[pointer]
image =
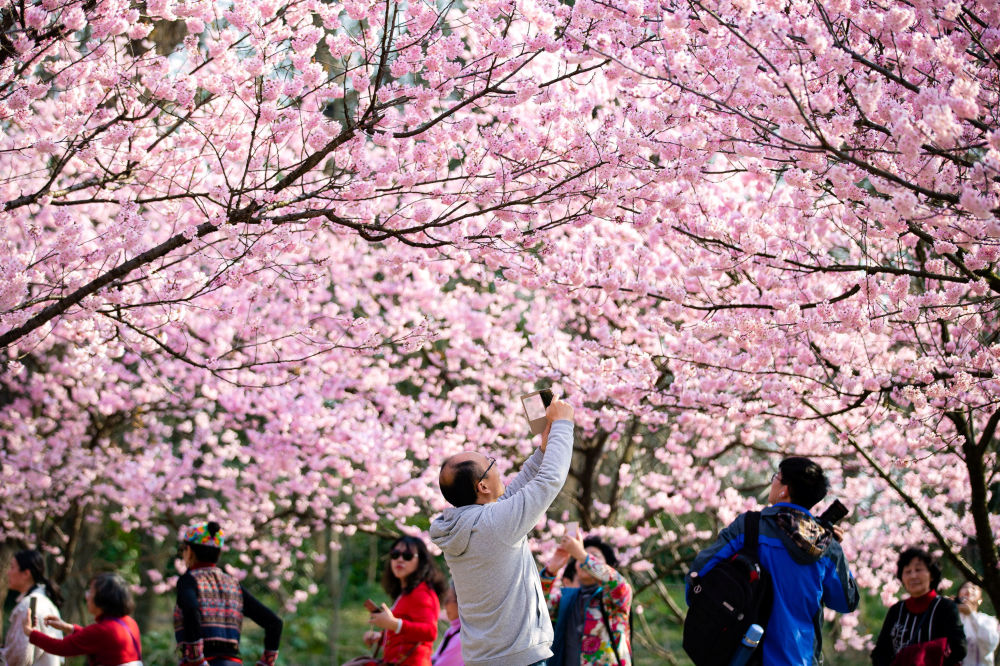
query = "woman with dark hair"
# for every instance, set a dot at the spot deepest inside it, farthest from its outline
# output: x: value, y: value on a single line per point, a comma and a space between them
x: 211, y: 606
x: 410, y: 626
x: 981, y: 631
x: 27, y: 577
x: 591, y: 620
x: 112, y: 640
x: 923, y: 617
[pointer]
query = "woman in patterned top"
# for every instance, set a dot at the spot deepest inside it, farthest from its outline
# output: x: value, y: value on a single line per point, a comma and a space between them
x: 211, y: 605
x: 592, y: 620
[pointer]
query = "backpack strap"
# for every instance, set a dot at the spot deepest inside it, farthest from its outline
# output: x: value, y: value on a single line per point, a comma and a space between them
x: 751, y: 532
x: 135, y: 643
x: 607, y: 624
x: 447, y: 639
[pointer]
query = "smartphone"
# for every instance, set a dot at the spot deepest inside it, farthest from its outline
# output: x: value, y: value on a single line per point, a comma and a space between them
x: 534, y: 408
x: 372, y: 606
x: 33, y: 612
x: 572, y: 529
x: 834, y: 513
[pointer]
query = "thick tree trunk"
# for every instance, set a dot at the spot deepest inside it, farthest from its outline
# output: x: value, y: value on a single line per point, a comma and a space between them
x: 974, y: 453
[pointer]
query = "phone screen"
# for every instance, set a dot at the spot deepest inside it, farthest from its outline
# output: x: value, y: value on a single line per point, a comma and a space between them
x: 534, y: 407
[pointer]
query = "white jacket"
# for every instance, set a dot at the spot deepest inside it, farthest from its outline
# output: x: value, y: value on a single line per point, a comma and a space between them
x: 982, y: 636
x: 16, y: 650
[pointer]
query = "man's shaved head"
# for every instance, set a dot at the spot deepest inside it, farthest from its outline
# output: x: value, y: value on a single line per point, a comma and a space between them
x: 459, y: 475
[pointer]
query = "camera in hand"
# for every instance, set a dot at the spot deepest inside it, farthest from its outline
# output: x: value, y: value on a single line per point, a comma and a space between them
x: 834, y: 513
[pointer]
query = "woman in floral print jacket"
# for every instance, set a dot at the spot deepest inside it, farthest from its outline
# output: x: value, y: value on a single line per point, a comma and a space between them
x: 581, y: 629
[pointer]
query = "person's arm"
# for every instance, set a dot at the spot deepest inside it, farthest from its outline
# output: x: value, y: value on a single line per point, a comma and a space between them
x: 556, y: 563
x: 531, y: 466
x: 16, y: 650
x: 840, y: 590
x: 420, y: 616
x: 518, y: 513
x: 190, y: 642
x: 552, y: 592
x: 268, y: 621
x: 729, y: 541
x: 617, y: 590
x: 83, y: 640
x: 528, y: 471
x: 952, y: 629
x: 883, y: 653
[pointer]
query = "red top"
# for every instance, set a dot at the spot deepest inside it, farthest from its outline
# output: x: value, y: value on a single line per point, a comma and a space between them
x: 419, y: 612
x: 918, y: 605
x: 106, y: 642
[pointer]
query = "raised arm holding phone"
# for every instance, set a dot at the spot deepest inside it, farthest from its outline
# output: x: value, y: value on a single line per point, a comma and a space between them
x: 591, y: 619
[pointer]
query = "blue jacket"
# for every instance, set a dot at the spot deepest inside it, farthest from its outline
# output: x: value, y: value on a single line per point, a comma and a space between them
x: 808, y: 570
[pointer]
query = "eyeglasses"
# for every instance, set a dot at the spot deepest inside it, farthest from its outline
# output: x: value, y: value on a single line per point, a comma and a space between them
x: 405, y: 554
x: 488, y: 468
x: 776, y: 475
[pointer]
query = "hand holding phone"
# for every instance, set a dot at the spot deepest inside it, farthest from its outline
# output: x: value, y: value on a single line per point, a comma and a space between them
x: 535, y: 405
x: 573, y: 529
x: 33, y: 612
x: 372, y: 606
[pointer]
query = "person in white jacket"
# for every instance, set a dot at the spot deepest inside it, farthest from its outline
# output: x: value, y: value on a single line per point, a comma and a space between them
x: 981, y: 631
x: 27, y: 576
x: 484, y: 538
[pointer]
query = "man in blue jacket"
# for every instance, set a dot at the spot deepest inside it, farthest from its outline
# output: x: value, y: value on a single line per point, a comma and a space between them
x: 807, y: 566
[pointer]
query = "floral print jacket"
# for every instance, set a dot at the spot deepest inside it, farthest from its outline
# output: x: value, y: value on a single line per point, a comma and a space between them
x: 617, y: 599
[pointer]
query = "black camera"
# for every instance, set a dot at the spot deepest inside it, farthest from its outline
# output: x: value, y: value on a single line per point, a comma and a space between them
x: 834, y: 513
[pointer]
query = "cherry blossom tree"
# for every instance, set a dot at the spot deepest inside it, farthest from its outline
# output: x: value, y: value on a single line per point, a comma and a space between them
x: 282, y: 271
x: 210, y: 213
x: 817, y: 273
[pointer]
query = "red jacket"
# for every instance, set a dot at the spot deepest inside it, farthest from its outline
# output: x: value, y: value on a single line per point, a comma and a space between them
x: 419, y: 612
x: 105, y: 643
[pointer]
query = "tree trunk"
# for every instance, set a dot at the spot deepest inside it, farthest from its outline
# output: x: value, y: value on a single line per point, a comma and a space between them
x: 336, y: 595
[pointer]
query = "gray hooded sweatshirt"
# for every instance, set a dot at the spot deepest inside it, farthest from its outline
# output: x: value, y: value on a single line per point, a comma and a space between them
x: 504, y: 618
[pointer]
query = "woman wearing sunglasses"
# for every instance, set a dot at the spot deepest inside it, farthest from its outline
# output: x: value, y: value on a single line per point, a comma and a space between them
x: 409, y: 627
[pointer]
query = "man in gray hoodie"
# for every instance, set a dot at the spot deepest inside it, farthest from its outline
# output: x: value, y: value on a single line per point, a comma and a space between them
x: 485, y: 541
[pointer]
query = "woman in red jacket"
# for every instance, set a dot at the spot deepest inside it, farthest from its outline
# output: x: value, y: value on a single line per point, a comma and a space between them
x: 112, y: 640
x: 410, y: 626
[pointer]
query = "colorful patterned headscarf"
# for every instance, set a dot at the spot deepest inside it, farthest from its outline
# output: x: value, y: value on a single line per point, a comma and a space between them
x: 200, y: 534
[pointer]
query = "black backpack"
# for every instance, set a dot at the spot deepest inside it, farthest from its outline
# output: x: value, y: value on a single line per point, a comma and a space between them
x: 723, y: 603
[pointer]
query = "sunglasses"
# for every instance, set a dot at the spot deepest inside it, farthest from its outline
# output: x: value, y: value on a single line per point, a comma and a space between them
x: 405, y: 554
